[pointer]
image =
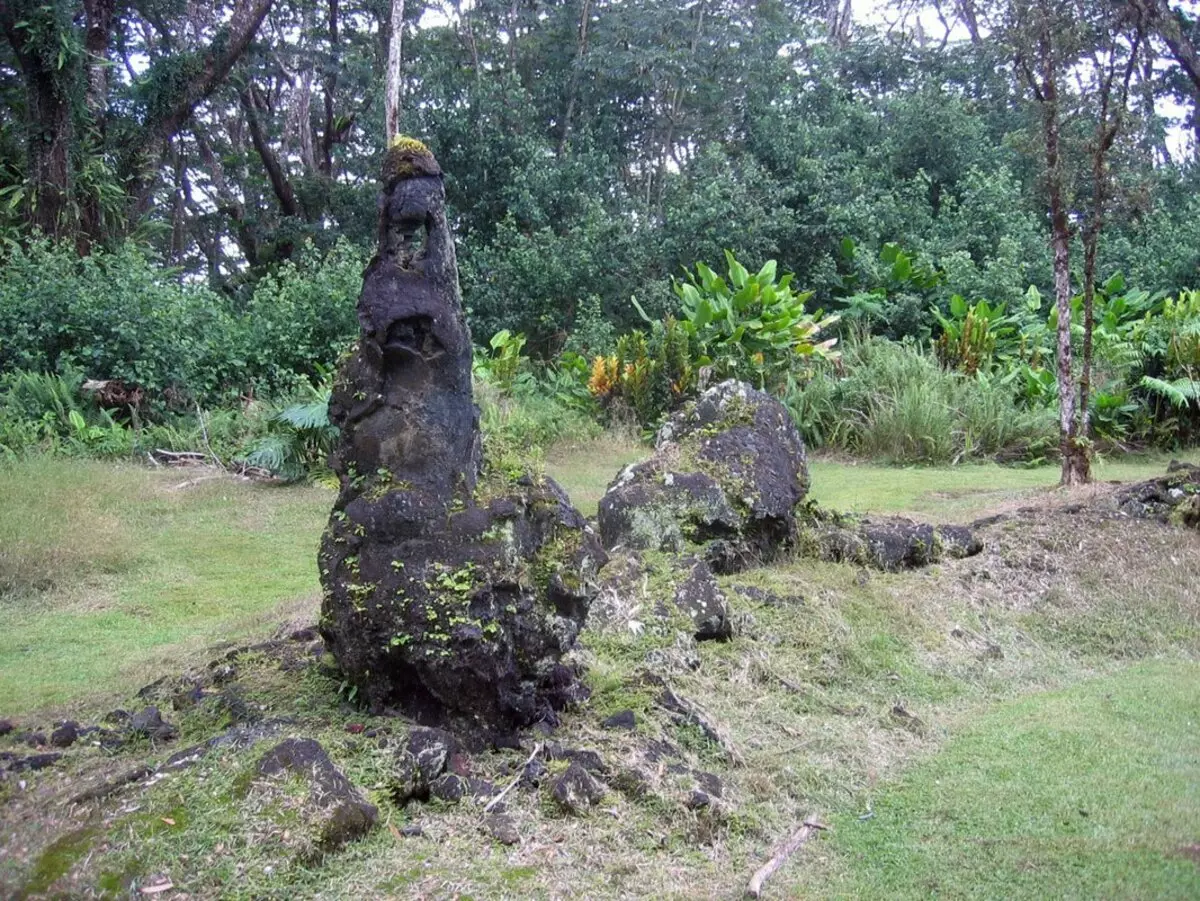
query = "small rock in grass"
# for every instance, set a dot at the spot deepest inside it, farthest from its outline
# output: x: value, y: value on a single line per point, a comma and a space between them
x: 697, y: 800
x: 33, y: 762
x: 431, y: 749
x: 448, y: 788
x: 709, y: 783
x: 65, y: 735
x: 149, y: 722
x: 502, y: 828
x: 6, y: 727
x: 626, y: 719
x: 576, y: 789
x: 701, y: 599
x: 335, y: 812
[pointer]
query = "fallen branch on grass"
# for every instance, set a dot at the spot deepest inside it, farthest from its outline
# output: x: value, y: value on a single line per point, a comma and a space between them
x: 780, y: 855
x: 537, y: 749
x: 691, y: 713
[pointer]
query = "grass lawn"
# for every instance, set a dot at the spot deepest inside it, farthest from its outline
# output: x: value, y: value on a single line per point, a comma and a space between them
x: 123, y: 572
x: 948, y: 493
x: 1047, y: 742
x: 1089, y: 792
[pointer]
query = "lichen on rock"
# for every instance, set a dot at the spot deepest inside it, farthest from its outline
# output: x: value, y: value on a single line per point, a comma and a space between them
x: 727, y: 473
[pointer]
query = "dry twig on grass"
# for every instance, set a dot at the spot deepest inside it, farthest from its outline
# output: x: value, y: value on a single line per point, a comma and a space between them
x: 780, y: 855
x: 537, y: 749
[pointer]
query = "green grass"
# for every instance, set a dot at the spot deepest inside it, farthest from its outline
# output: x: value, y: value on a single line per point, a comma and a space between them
x: 953, y: 492
x: 141, y: 572
x: 585, y: 469
x: 1089, y: 792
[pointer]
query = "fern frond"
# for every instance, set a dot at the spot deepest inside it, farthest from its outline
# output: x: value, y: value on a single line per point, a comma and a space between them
x: 309, y: 415
x: 1179, y: 392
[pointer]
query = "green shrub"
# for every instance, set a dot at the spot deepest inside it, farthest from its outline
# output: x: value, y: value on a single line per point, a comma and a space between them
x: 120, y: 315
x: 113, y: 315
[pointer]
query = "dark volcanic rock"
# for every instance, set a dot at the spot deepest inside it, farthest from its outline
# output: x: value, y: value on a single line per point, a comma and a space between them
x: 149, y: 722
x: 65, y: 735
x: 705, y: 604
x: 502, y: 828
x: 1173, y: 498
x: 625, y: 719
x: 576, y: 789
x: 336, y: 812
x: 430, y: 749
x: 727, y: 473
x: 887, y: 543
x: 6, y: 726
x: 449, y: 788
x: 452, y: 588
x: 16, y: 763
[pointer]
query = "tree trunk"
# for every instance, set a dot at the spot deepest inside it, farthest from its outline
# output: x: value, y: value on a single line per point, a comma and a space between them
x: 49, y: 129
x: 392, y: 90
x: 1075, y: 459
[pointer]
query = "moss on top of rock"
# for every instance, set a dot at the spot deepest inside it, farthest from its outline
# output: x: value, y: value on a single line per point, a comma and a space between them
x: 408, y: 158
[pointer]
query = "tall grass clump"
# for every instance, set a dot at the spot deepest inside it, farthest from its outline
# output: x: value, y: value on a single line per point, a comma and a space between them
x: 893, y: 401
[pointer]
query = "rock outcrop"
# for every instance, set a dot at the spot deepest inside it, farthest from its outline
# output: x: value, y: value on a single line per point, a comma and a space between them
x: 453, y: 586
x: 727, y: 474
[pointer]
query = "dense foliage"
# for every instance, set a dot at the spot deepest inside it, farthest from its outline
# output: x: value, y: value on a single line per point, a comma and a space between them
x: 209, y: 171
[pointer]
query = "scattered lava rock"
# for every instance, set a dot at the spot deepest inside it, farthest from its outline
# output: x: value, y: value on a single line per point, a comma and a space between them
x: 336, y: 813
x: 576, y: 789
x: 887, y: 543
x: 6, y: 727
x: 149, y: 723
x: 702, y: 600
x: 430, y: 749
x: 502, y: 828
x: 17, y: 763
x: 1173, y: 498
x: 65, y: 735
x: 625, y: 719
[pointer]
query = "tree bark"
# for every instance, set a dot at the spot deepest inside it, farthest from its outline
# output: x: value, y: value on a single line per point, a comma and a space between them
x: 275, y: 174
x: 1075, y: 462
x: 49, y: 127
x: 392, y: 89
x: 581, y: 48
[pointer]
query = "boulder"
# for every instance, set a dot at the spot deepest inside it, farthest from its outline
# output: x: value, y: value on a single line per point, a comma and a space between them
x: 727, y: 473
x: 453, y: 585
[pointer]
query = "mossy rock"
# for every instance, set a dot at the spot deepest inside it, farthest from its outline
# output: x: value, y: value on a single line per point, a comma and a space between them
x: 408, y: 158
x: 727, y: 473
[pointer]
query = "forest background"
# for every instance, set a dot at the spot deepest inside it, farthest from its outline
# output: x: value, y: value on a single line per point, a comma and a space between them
x: 187, y: 199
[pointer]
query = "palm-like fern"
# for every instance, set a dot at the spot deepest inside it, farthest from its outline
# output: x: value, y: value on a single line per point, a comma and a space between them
x: 1178, y: 392
x: 300, y: 439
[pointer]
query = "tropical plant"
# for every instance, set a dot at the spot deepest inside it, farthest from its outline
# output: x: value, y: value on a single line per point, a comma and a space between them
x: 300, y: 437
x: 970, y: 334
x: 750, y: 326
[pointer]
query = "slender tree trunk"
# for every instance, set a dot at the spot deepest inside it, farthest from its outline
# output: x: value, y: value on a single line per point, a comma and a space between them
x: 275, y: 174
x: 392, y: 88
x: 573, y: 88
x: 1075, y: 462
